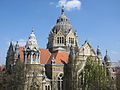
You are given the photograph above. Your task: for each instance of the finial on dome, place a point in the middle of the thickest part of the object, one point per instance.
(97, 46)
(106, 52)
(62, 10)
(99, 54)
(33, 29)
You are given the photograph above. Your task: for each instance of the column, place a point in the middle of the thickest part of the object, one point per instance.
(25, 58)
(31, 58)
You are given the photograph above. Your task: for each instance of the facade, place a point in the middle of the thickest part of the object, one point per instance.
(52, 68)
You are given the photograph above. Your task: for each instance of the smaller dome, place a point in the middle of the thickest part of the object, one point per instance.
(107, 57)
(32, 35)
(32, 42)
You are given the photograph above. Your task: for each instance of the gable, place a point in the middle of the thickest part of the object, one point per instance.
(59, 34)
(87, 49)
(71, 34)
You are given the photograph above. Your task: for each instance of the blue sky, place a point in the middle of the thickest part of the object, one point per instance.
(95, 20)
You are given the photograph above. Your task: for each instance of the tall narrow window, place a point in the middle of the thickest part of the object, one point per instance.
(45, 87)
(62, 39)
(60, 81)
(69, 40)
(73, 40)
(58, 40)
(48, 87)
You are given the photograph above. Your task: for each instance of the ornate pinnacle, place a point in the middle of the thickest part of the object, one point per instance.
(106, 52)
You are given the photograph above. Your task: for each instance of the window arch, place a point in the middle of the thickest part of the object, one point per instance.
(60, 81)
(47, 87)
(71, 40)
(60, 40)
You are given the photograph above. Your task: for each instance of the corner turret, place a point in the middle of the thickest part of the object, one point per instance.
(31, 50)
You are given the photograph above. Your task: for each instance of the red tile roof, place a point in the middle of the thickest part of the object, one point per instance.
(44, 55)
(60, 57)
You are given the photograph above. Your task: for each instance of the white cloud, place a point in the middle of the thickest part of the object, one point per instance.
(51, 3)
(70, 4)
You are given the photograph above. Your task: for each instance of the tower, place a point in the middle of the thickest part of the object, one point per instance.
(62, 35)
(16, 53)
(31, 50)
(12, 56)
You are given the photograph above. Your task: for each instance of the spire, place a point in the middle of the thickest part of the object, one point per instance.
(17, 48)
(99, 54)
(11, 47)
(11, 43)
(17, 45)
(62, 11)
(33, 30)
(107, 57)
(106, 52)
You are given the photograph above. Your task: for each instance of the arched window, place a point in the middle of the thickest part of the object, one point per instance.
(62, 39)
(47, 87)
(34, 56)
(71, 40)
(57, 40)
(60, 81)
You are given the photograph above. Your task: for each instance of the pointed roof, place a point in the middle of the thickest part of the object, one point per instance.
(99, 54)
(11, 47)
(62, 11)
(90, 48)
(17, 45)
